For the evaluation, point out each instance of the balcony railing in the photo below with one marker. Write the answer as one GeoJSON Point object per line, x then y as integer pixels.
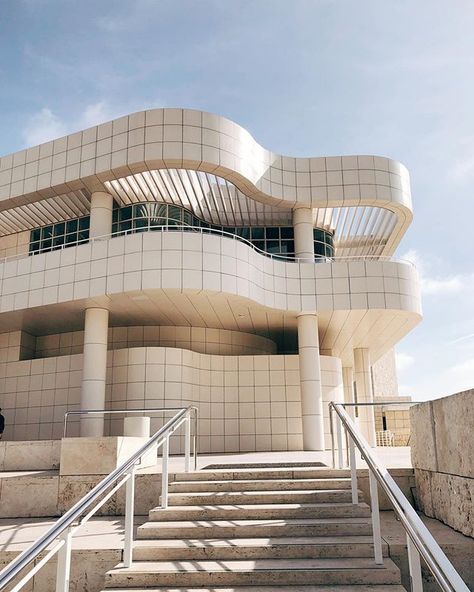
{"type": "Point", "coordinates": [287, 258]}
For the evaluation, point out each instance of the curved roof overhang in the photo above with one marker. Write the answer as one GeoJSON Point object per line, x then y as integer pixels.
{"type": "Point", "coordinates": [62, 173]}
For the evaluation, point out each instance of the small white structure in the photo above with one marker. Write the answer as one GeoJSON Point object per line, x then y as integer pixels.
{"type": "Point", "coordinates": [166, 258]}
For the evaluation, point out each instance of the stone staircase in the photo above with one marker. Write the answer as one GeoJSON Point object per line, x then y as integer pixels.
{"type": "Point", "coordinates": [248, 530]}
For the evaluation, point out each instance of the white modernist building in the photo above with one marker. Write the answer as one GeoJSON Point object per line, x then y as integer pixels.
{"type": "Point", "coordinates": [166, 258]}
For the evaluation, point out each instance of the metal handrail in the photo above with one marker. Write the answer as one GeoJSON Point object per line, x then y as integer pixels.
{"type": "Point", "coordinates": [65, 526]}
{"type": "Point", "coordinates": [203, 230]}
{"type": "Point", "coordinates": [149, 410]}
{"type": "Point", "coordinates": [364, 404]}
{"type": "Point", "coordinates": [419, 539]}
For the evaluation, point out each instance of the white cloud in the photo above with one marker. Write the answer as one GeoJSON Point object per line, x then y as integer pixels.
{"type": "Point", "coordinates": [46, 125]}
{"type": "Point", "coordinates": [435, 284]}
{"type": "Point", "coordinates": [463, 169]}
{"type": "Point", "coordinates": [42, 127]}
{"type": "Point", "coordinates": [403, 361]}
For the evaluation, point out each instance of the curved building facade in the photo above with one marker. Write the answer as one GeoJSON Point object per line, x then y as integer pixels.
{"type": "Point", "coordinates": [166, 258]}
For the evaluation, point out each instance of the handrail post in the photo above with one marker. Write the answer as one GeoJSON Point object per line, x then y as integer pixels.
{"type": "Point", "coordinates": [187, 444]}
{"type": "Point", "coordinates": [353, 466]}
{"type": "Point", "coordinates": [63, 570]}
{"type": "Point", "coordinates": [129, 518]}
{"type": "Point", "coordinates": [340, 458]}
{"type": "Point", "coordinates": [195, 438]}
{"type": "Point", "coordinates": [164, 473]}
{"type": "Point", "coordinates": [331, 427]}
{"type": "Point", "coordinates": [414, 564]}
{"type": "Point", "coordinates": [374, 505]}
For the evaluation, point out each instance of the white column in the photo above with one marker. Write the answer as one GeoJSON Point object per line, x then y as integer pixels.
{"type": "Point", "coordinates": [364, 393]}
{"type": "Point", "coordinates": [303, 232]}
{"type": "Point", "coordinates": [101, 214]}
{"type": "Point", "coordinates": [348, 384]}
{"type": "Point", "coordinates": [94, 370]}
{"type": "Point", "coordinates": [310, 382]}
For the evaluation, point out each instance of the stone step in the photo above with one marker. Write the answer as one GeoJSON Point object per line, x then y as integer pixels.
{"type": "Point", "coordinates": [364, 588]}
{"type": "Point", "coordinates": [192, 498]}
{"type": "Point", "coordinates": [264, 572]}
{"type": "Point", "coordinates": [238, 474]}
{"type": "Point", "coordinates": [255, 528]}
{"type": "Point", "coordinates": [259, 485]}
{"type": "Point", "coordinates": [263, 548]}
{"type": "Point", "coordinates": [260, 511]}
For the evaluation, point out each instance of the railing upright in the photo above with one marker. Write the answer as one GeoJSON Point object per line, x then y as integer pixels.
{"type": "Point", "coordinates": [63, 570]}
{"type": "Point", "coordinates": [129, 517]}
{"type": "Point", "coordinates": [187, 445]}
{"type": "Point", "coordinates": [353, 467]}
{"type": "Point", "coordinates": [375, 512]}
{"type": "Point", "coordinates": [414, 565]}
{"type": "Point", "coordinates": [164, 473]}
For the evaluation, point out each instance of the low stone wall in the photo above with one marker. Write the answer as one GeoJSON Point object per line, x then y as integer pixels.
{"type": "Point", "coordinates": [442, 449]}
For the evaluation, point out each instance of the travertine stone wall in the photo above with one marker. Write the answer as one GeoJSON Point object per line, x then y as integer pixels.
{"type": "Point", "coordinates": [443, 458]}
{"type": "Point", "coordinates": [384, 374]}
{"type": "Point", "coordinates": [246, 403]}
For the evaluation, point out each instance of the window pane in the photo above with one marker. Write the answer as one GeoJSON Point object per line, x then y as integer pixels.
{"type": "Point", "coordinates": [71, 238]}
{"type": "Point", "coordinates": [272, 232]}
{"type": "Point", "coordinates": [272, 246]}
{"type": "Point", "coordinates": [35, 234]}
{"type": "Point", "coordinates": [84, 223]}
{"type": "Point", "coordinates": [257, 233]}
{"type": "Point", "coordinates": [47, 232]}
{"type": "Point", "coordinates": [174, 213]}
{"type": "Point", "coordinates": [286, 232]}
{"type": "Point", "coordinates": [71, 226]}
{"type": "Point", "coordinates": [126, 213]}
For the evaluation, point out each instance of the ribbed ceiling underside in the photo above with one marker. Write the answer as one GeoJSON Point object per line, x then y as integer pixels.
{"type": "Point", "coordinates": [211, 198]}
{"type": "Point", "coordinates": [40, 213]}
{"type": "Point", "coordinates": [358, 230]}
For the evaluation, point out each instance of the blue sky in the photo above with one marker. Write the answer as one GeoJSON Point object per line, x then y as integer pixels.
{"type": "Point", "coordinates": [307, 78]}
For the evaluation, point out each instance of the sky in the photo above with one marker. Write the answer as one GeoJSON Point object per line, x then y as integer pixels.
{"type": "Point", "coordinates": [306, 78]}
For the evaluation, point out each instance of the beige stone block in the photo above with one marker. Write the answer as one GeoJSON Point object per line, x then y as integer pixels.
{"type": "Point", "coordinates": [423, 450]}
{"type": "Point", "coordinates": [98, 456]}
{"type": "Point", "coordinates": [29, 495]}
{"type": "Point", "coordinates": [454, 422]}
{"type": "Point", "coordinates": [452, 498]}
{"type": "Point", "coordinates": [74, 487]}
{"type": "Point", "coordinates": [423, 491]}
{"type": "Point", "coordinates": [30, 455]}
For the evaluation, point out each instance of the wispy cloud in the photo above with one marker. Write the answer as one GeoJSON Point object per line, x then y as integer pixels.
{"type": "Point", "coordinates": [45, 125]}
{"type": "Point", "coordinates": [437, 284]}
{"type": "Point", "coordinates": [403, 361]}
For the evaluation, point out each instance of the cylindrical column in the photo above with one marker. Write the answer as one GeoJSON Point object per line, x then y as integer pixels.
{"type": "Point", "coordinates": [348, 383]}
{"type": "Point", "coordinates": [310, 382]}
{"type": "Point", "coordinates": [364, 393]}
{"type": "Point", "coordinates": [101, 214]}
{"type": "Point", "coordinates": [96, 328]}
{"type": "Point", "coordinates": [303, 233]}
{"type": "Point", "coordinates": [138, 427]}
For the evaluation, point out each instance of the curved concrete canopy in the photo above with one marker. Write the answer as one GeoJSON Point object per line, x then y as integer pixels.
{"type": "Point", "coordinates": [69, 168]}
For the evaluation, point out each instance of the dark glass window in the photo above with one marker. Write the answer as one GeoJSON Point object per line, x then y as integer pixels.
{"type": "Point", "coordinates": [141, 217]}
